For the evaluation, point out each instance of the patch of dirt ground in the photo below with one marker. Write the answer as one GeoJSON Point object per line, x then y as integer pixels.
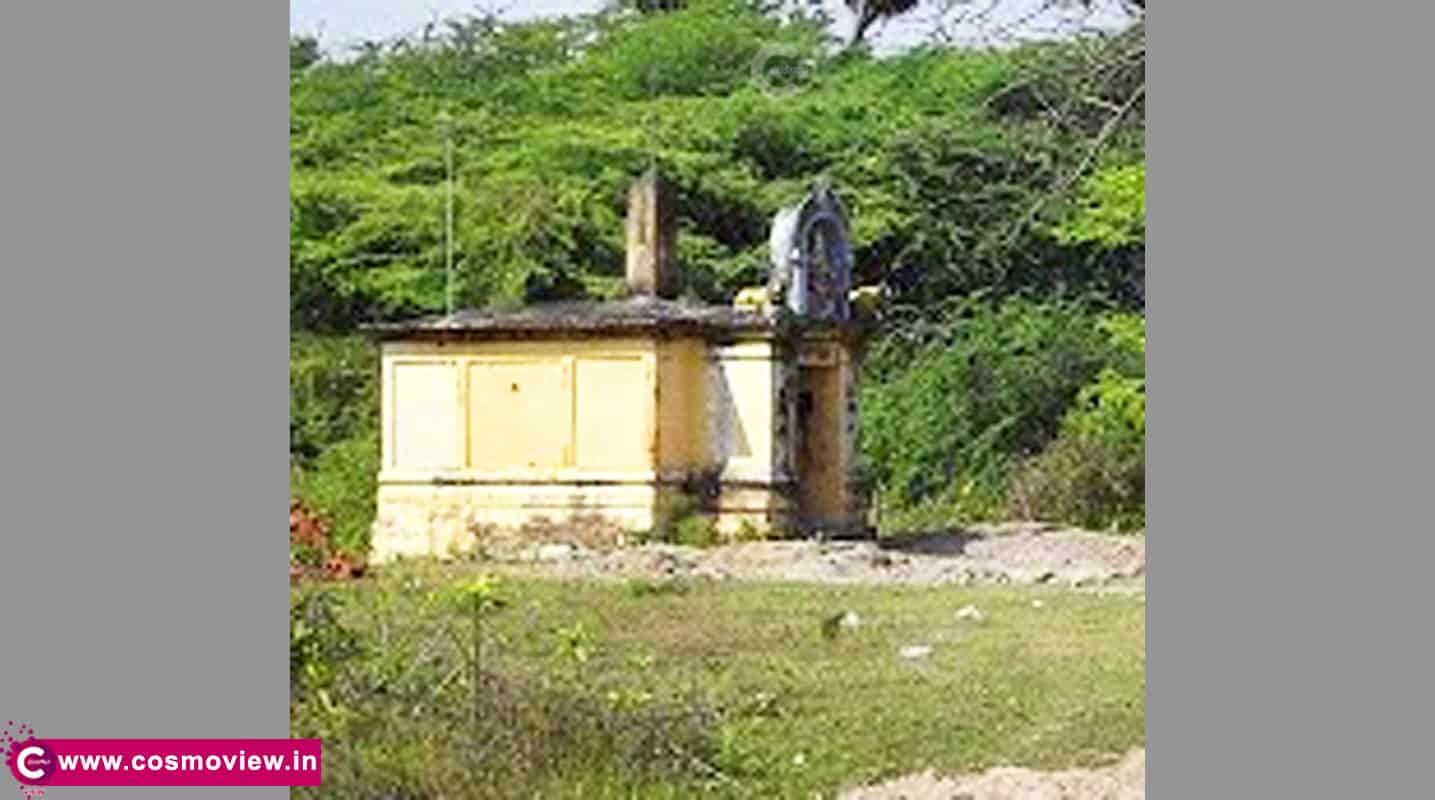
{"type": "Point", "coordinates": [1125, 780]}
{"type": "Point", "coordinates": [1017, 553]}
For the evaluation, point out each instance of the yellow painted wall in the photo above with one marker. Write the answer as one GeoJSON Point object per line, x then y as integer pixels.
{"type": "Point", "coordinates": [584, 433]}
{"type": "Point", "coordinates": [518, 411]}
{"type": "Point", "coordinates": [823, 455]}
{"type": "Point", "coordinates": [521, 409]}
{"type": "Point", "coordinates": [422, 419]}
{"type": "Point", "coordinates": [682, 401]}
{"type": "Point", "coordinates": [820, 462]}
{"type": "Point", "coordinates": [614, 412]}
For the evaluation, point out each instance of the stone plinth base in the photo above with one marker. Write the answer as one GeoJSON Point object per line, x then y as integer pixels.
{"type": "Point", "coordinates": [445, 520]}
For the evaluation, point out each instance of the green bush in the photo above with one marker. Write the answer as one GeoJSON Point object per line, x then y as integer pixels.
{"type": "Point", "coordinates": [341, 486]}
{"type": "Point", "coordinates": [941, 428]}
{"type": "Point", "coordinates": [696, 531]}
{"type": "Point", "coordinates": [333, 393]}
{"type": "Point", "coordinates": [1111, 410]}
{"type": "Point", "coordinates": [1111, 210]}
{"type": "Point", "coordinates": [1094, 474]}
{"type": "Point", "coordinates": [1054, 388]}
{"type": "Point", "coordinates": [319, 643]}
{"type": "Point", "coordinates": [1083, 481]}
{"type": "Point", "coordinates": [333, 432]}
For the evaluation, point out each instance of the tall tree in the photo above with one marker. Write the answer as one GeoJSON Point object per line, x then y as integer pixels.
{"type": "Point", "coordinates": [303, 51]}
{"type": "Point", "coordinates": [869, 12]}
{"type": "Point", "coordinates": [655, 6]}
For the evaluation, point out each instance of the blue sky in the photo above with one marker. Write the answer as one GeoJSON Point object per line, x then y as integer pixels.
{"type": "Point", "coordinates": [341, 23]}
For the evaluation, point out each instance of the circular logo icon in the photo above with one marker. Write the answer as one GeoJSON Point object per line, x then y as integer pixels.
{"type": "Point", "coordinates": [32, 762]}
{"type": "Point", "coordinates": [779, 70]}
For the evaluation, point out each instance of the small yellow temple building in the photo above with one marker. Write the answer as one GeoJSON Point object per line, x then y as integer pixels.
{"type": "Point", "coordinates": [596, 420]}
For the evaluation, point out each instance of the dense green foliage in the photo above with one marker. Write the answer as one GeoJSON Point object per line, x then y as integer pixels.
{"type": "Point", "coordinates": [942, 431]}
{"type": "Point", "coordinates": [333, 393]}
{"type": "Point", "coordinates": [333, 431]}
{"type": "Point", "coordinates": [966, 173]}
{"type": "Point", "coordinates": [1094, 473]}
{"type": "Point", "coordinates": [1113, 210]}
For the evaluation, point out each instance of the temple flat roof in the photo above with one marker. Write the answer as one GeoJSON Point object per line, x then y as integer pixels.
{"type": "Point", "coordinates": [633, 315]}
{"type": "Point", "coordinates": [636, 315]}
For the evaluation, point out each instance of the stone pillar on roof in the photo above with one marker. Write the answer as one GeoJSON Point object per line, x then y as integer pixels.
{"type": "Point", "coordinates": [651, 238]}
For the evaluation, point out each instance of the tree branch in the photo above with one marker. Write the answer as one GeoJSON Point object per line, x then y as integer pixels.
{"type": "Point", "coordinates": [1065, 183]}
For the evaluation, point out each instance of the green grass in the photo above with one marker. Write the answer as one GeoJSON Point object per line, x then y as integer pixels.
{"type": "Point", "coordinates": [786, 707]}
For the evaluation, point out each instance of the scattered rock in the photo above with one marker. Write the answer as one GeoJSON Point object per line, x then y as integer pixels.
{"type": "Point", "coordinates": [712, 573]}
{"type": "Point", "coordinates": [555, 552]}
{"type": "Point", "coordinates": [835, 624]}
{"type": "Point", "coordinates": [915, 651]}
{"type": "Point", "coordinates": [1030, 576]}
{"type": "Point", "coordinates": [969, 612]}
{"type": "Point", "coordinates": [1011, 554]}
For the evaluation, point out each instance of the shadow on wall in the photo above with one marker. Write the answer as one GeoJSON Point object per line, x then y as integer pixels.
{"type": "Point", "coordinates": [730, 436]}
